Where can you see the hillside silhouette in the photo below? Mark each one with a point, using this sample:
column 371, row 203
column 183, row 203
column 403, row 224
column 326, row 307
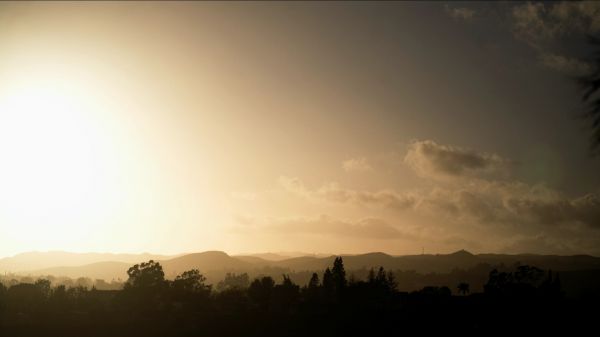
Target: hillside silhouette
column 581, row 273
column 221, row 261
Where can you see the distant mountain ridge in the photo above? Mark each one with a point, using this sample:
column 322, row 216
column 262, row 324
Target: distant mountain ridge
column 41, row 260
column 279, row 256
column 217, row 263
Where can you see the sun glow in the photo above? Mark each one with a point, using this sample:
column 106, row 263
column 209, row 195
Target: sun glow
column 55, row 171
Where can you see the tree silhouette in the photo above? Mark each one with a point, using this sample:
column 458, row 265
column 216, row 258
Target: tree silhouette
column 371, row 276
column 590, row 84
column 529, row 300
column 260, row 291
column 314, row 281
column 234, row 281
column 191, row 281
column 146, row 275
column 528, row 274
column 44, row 287
column 463, row 288
column 328, row 283
column 285, row 295
column 339, row 275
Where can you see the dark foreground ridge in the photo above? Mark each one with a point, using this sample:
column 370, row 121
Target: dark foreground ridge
column 524, row 300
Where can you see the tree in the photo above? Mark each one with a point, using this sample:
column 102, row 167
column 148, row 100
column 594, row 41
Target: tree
column 285, row 295
column 328, row 284
column 381, row 278
column 44, row 287
column 146, row 275
column 260, row 291
column 528, row 274
column 463, row 288
column 339, row 275
column 371, row 276
column 191, row 281
column 391, row 281
column 234, row 281
column 591, row 84
column 314, row 281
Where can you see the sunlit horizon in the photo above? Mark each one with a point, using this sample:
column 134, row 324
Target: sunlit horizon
column 298, row 127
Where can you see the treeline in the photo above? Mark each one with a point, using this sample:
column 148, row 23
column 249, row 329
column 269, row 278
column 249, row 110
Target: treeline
column 10, row 280
column 408, row 280
column 525, row 299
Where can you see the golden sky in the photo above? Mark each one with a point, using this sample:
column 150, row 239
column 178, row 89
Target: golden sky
column 315, row 127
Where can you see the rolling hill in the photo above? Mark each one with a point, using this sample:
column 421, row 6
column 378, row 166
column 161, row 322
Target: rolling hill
column 41, row 260
column 215, row 264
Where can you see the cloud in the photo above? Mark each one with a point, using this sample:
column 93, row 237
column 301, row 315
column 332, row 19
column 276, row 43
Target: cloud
column 541, row 244
column 565, row 241
column 512, row 203
column 530, row 23
column 369, row 228
column 470, row 194
column 536, row 22
column 356, row 164
column 570, row 66
column 460, row 13
column 333, row 192
column 476, row 200
column 585, row 209
column 430, row 159
column 541, row 25
column 463, row 206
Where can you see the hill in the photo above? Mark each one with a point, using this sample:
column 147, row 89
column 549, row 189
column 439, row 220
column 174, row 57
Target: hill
column 215, row 264
column 41, row 260
column 107, row 271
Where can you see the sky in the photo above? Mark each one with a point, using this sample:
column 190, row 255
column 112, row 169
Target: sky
column 326, row 127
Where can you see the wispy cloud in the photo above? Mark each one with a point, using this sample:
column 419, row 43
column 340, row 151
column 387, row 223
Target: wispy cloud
column 537, row 22
column 356, row 164
column 460, row 13
column 566, row 65
column 542, row 24
column 333, row 192
column 369, row 228
column 511, row 203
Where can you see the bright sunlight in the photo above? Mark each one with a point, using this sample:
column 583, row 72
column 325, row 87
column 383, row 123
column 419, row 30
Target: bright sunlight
column 53, row 174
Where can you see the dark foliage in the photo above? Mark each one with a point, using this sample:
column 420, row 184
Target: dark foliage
column 591, row 84
column 522, row 300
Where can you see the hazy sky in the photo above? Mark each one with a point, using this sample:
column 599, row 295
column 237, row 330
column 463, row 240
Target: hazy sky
column 316, row 127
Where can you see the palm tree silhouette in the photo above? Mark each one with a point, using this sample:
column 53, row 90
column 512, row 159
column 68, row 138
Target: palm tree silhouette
column 590, row 84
